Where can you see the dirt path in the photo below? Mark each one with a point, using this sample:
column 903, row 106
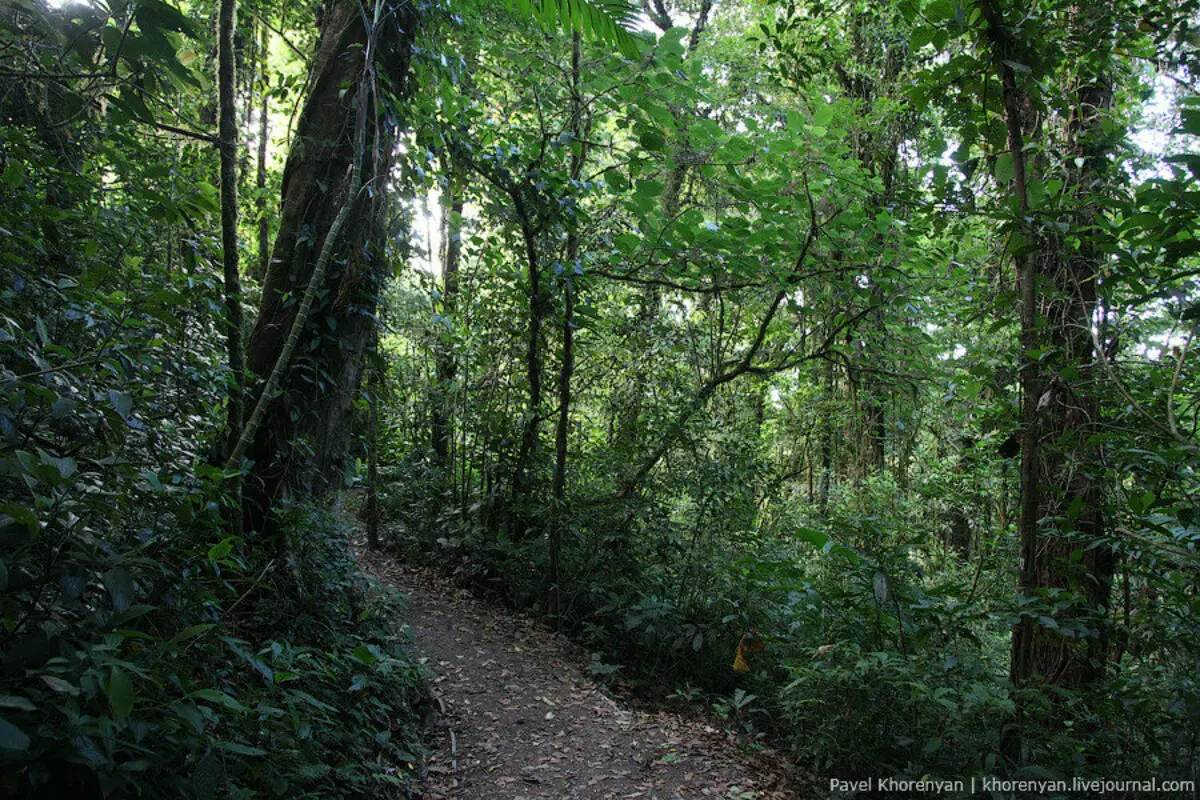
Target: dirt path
column 522, row 721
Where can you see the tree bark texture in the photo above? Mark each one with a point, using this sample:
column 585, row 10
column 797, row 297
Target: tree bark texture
column 1061, row 524
column 305, row 435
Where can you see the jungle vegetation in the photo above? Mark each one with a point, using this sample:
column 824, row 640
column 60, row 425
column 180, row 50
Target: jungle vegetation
column 863, row 329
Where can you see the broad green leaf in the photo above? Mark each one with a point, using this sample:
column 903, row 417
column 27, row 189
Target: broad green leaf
column 122, row 403
column 187, row 633
column 59, row 685
column 120, row 693
column 607, row 20
column 16, row 702
column 120, row 588
column 20, row 515
column 652, row 141
column 825, row 544
column 221, row 549
column 1003, row 171
column 12, row 737
column 14, row 175
column 220, row 698
column 823, row 115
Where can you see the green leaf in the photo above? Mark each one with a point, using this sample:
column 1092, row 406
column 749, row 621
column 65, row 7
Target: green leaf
column 21, row 515
column 825, row 544
column 221, row 549
column 1035, row 772
column 1003, row 171
column 921, row 36
column 1190, row 119
column 206, row 779
column 190, row 713
column 220, row 698
column 122, row 403
column 1075, row 508
column 649, row 188
column 132, row 613
column 187, row 633
column 606, row 20
column 652, row 141
column 823, row 115
column 60, row 686
column 120, row 693
column 12, row 737
column 14, row 174
column 120, row 588
column 627, row 242
column 153, row 15
column 616, row 181
column 16, row 702
column 129, row 100
column 312, row 701
column 241, row 749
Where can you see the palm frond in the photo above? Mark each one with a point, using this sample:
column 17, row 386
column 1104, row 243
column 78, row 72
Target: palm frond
column 606, row 20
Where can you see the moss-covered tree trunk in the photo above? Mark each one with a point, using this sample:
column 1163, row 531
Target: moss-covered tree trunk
column 1062, row 528
column 304, row 437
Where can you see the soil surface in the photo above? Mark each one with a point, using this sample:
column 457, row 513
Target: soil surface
column 521, row 720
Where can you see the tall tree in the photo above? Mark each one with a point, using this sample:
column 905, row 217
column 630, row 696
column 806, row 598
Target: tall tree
column 1061, row 526
column 260, row 177
column 579, row 129
column 332, row 226
column 442, row 414
column 228, row 135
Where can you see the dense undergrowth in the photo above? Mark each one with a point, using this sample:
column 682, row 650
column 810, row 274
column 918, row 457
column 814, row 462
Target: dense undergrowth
column 776, row 335
column 158, row 671
column 145, row 653
column 883, row 656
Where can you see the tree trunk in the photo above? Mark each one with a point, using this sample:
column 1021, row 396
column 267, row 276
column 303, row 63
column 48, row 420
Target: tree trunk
column 520, row 521
column 260, row 180
column 442, row 418
column 305, row 432
column 559, row 484
column 227, row 133
column 826, row 443
column 372, row 504
column 1057, row 297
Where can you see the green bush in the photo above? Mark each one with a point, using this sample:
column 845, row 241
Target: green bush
column 207, row 671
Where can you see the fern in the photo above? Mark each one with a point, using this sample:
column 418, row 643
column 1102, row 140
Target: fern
column 607, row 20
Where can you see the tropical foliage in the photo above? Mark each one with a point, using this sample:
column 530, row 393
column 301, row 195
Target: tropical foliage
column 827, row 367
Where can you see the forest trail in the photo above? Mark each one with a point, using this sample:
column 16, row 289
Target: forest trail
column 522, row 721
